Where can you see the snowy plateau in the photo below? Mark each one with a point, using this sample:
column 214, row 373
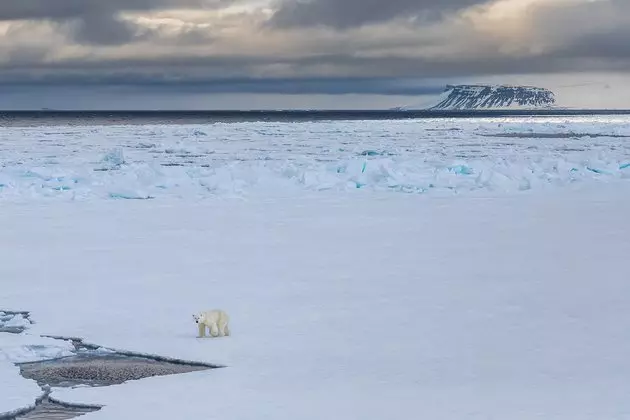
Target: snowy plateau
column 443, row 269
column 488, row 97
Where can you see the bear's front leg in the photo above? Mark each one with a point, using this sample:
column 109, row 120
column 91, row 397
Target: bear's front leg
column 202, row 330
column 214, row 330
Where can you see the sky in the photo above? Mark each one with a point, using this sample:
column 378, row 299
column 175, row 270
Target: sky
column 306, row 54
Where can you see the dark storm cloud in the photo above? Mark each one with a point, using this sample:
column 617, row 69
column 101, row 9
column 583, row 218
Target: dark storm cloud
column 64, row 9
column 582, row 37
column 93, row 21
column 286, row 86
column 43, row 9
column 611, row 46
column 387, row 76
column 344, row 14
column 102, row 30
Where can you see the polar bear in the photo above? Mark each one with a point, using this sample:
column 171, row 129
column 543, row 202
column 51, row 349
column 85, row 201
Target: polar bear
column 216, row 320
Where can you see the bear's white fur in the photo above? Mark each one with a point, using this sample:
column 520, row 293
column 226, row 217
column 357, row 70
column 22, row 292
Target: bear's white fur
column 215, row 320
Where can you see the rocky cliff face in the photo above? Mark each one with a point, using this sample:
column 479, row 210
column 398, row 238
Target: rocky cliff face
column 463, row 97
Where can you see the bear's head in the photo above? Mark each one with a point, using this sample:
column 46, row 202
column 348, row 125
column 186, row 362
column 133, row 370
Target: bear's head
column 197, row 318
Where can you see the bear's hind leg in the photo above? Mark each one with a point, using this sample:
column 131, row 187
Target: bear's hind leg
column 226, row 330
column 202, row 330
column 214, row 330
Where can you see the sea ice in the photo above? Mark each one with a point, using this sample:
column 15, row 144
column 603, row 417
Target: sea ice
column 495, row 290
column 353, row 306
column 263, row 158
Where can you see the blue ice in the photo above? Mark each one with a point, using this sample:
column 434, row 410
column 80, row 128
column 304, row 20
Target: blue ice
column 461, row 170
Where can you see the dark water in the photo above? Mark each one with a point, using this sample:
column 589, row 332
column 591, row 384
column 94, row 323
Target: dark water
column 101, row 370
column 38, row 118
column 89, row 368
column 50, row 410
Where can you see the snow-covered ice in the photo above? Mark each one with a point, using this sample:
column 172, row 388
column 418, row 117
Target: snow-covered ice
column 16, row 392
column 435, row 157
column 467, row 97
column 344, row 303
column 13, row 322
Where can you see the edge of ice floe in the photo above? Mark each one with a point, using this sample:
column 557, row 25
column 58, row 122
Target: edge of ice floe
column 46, row 395
column 9, row 415
column 78, row 343
column 155, row 357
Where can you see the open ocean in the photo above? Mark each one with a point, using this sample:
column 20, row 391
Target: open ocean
column 51, row 117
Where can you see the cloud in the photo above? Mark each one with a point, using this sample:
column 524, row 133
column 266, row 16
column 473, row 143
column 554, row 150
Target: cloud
column 588, row 30
column 64, row 9
column 305, row 48
column 95, row 22
column 102, row 30
column 344, row 14
column 285, row 86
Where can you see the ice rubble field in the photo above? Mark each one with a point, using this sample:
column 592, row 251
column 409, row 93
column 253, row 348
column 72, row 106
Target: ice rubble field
column 412, row 156
column 475, row 300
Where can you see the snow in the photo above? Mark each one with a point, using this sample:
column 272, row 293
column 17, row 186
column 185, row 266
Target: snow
column 13, row 321
column 80, row 163
column 24, row 348
column 16, row 392
column 495, row 97
column 343, row 303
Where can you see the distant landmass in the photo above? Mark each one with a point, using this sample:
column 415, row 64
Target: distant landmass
column 491, row 97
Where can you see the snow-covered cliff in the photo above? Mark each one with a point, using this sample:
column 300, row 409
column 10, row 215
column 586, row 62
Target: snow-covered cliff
column 463, row 97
